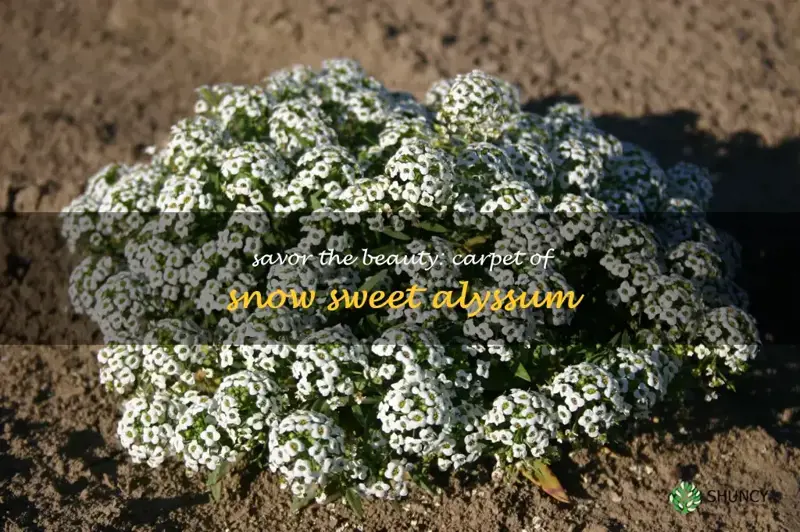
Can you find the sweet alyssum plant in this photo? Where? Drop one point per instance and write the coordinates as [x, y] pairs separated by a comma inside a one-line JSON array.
[[364, 403]]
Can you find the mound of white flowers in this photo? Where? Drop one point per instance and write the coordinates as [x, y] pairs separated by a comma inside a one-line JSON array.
[[367, 401]]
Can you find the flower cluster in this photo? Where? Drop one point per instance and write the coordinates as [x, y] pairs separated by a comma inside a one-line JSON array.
[[644, 377], [364, 399], [589, 401], [523, 424], [308, 449]]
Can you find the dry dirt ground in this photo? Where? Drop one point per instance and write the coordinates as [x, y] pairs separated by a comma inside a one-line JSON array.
[[86, 82]]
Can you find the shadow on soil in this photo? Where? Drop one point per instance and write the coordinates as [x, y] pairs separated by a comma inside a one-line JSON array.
[[14, 508], [156, 511]]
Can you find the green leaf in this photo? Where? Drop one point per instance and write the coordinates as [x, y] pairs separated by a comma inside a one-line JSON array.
[[299, 503], [432, 227], [423, 483], [358, 413], [370, 400], [522, 373], [373, 281], [333, 497], [625, 339], [614, 342], [354, 501], [320, 405], [596, 357], [214, 480], [216, 491], [475, 241], [389, 249], [373, 320], [540, 474], [215, 476], [396, 234], [207, 96]]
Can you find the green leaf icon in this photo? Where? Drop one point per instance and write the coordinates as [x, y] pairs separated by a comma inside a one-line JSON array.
[[685, 498]]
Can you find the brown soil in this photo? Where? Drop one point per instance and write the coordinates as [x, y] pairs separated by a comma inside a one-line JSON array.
[[87, 82]]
